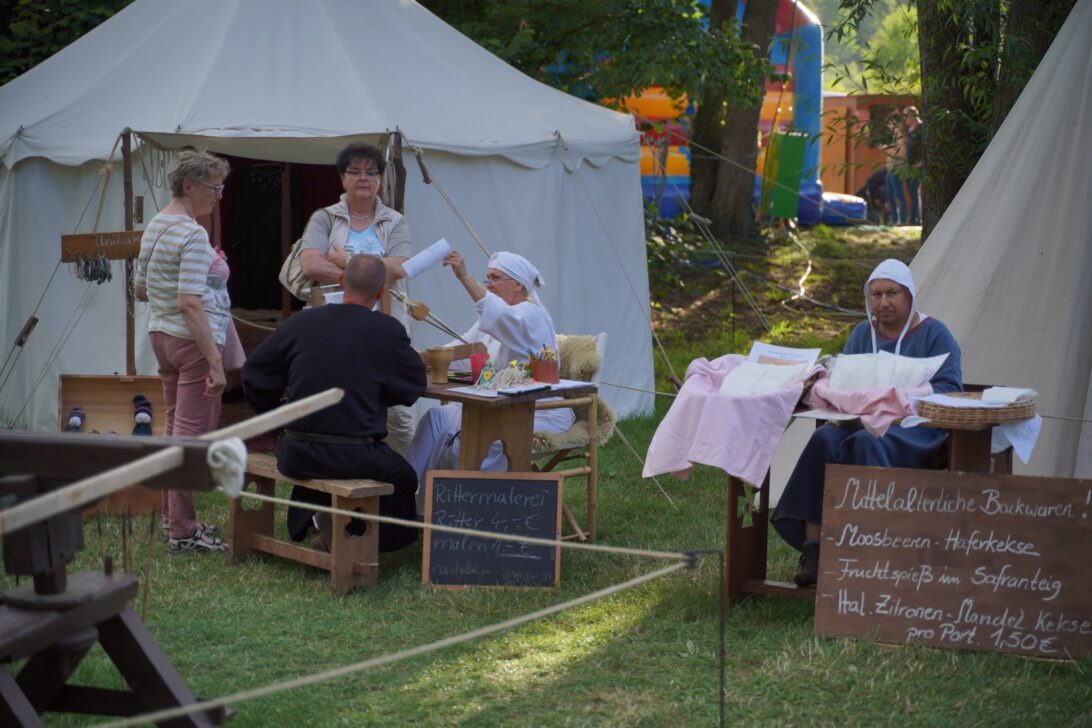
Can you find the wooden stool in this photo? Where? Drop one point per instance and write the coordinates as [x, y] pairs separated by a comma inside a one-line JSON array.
[[352, 560]]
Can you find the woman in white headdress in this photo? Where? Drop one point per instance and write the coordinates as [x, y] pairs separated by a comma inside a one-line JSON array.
[[511, 322], [894, 325]]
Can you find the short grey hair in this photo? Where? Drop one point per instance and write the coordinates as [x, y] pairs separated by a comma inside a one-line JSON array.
[[195, 166]]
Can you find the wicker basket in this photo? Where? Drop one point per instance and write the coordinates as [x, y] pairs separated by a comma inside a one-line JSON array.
[[944, 416]]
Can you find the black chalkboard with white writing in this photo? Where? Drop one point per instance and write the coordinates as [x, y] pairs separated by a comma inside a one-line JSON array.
[[520, 504]]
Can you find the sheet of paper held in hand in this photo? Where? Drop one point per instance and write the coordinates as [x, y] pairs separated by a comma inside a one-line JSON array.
[[427, 258], [769, 354]]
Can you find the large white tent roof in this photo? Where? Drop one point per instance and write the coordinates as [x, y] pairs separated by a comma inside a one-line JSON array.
[[306, 70], [533, 169]]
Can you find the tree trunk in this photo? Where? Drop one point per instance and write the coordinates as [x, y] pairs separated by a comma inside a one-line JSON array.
[[948, 135], [708, 127], [1030, 27], [732, 206]]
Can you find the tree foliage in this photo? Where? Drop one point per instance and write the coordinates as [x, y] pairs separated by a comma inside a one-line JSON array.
[[609, 49], [976, 57], [33, 30]]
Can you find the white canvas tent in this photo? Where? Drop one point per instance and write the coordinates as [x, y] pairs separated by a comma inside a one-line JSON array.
[[534, 170], [1007, 267]]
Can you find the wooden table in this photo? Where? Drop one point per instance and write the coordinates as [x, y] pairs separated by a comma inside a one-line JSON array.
[[508, 419], [748, 525]]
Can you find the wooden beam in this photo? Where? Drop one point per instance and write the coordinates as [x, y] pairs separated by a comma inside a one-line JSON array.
[[89, 489], [130, 318]]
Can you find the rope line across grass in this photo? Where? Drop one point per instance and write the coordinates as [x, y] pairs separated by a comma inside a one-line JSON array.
[[165, 715], [472, 532]]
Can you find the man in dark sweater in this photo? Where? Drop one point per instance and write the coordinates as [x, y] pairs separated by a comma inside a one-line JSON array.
[[366, 353]]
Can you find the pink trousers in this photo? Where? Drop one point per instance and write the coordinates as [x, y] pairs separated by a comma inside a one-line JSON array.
[[190, 412]]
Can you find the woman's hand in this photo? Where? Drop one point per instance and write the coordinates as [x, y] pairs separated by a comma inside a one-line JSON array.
[[338, 256], [458, 267], [455, 260], [215, 382], [140, 293]]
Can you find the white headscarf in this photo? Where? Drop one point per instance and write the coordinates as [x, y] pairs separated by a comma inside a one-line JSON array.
[[892, 270], [520, 269]]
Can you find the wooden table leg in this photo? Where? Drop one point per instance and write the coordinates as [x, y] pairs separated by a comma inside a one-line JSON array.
[[745, 558], [970, 451], [512, 425]]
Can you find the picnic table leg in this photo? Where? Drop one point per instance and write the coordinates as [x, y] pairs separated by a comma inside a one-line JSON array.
[[246, 522], [354, 560]]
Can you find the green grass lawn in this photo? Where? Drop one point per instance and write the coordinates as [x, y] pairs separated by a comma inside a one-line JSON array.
[[643, 657]]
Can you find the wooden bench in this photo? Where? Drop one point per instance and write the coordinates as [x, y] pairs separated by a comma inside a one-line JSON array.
[[352, 560]]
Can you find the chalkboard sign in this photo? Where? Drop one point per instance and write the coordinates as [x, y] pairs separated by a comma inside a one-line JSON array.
[[523, 504], [979, 562]]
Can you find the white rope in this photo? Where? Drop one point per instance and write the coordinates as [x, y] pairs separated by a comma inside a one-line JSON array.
[[457, 531], [227, 465], [639, 389], [205, 705], [252, 324], [429, 178], [614, 248], [618, 431]]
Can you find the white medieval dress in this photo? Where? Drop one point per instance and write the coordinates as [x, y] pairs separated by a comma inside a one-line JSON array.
[[508, 332]]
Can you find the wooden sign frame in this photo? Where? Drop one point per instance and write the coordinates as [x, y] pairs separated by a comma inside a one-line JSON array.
[[997, 563], [470, 515], [121, 245]]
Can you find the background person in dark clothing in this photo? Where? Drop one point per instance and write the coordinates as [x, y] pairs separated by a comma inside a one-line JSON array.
[[914, 157], [364, 352]]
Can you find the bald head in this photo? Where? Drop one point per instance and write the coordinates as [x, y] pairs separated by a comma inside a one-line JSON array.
[[364, 277]]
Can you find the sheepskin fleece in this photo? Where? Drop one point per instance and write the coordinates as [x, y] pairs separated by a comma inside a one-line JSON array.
[[580, 361]]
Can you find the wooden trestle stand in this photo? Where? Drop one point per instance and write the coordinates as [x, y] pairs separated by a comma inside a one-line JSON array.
[[54, 621]]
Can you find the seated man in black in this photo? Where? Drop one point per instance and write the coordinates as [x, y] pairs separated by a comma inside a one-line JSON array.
[[366, 353]]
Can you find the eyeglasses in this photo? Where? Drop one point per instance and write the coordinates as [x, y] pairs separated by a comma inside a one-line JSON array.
[[494, 280], [353, 172], [219, 189]]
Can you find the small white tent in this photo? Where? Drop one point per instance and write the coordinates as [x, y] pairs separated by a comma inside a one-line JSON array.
[[1007, 267], [533, 169]]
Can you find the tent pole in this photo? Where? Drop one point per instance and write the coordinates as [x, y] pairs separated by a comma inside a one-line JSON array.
[[130, 324], [286, 231]]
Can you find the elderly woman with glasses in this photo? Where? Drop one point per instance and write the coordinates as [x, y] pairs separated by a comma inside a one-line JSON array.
[[511, 322], [359, 223], [184, 281]]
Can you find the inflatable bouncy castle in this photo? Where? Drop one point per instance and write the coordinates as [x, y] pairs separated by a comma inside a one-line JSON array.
[[794, 106]]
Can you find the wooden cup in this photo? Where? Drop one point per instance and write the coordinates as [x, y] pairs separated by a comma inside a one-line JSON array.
[[438, 358]]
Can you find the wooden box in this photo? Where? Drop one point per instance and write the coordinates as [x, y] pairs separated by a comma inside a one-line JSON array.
[[107, 401]]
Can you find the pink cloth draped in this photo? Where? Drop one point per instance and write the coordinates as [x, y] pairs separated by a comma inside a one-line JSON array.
[[878, 408], [736, 434]]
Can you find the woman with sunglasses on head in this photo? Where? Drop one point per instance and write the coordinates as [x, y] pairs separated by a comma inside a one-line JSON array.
[[511, 322], [359, 223], [184, 281]]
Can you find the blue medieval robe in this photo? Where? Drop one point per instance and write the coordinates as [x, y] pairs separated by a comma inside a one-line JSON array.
[[915, 447]]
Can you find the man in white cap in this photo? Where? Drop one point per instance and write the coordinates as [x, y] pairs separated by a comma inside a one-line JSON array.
[[896, 326], [511, 322]]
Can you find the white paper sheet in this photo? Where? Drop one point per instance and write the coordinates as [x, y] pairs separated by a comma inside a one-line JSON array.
[[1008, 395], [427, 258], [762, 353]]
